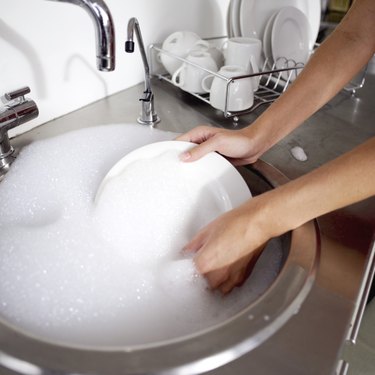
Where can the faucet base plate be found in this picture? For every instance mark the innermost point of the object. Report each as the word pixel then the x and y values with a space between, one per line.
pixel 151 122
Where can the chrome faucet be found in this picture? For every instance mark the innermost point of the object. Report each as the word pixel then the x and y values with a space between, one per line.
pixel 16 111
pixel 104 31
pixel 148 113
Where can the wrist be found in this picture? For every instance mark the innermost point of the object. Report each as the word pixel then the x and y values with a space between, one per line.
pixel 275 215
pixel 253 146
pixel 261 220
pixel 261 136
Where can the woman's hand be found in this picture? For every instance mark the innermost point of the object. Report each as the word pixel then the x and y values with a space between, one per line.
pixel 238 146
pixel 228 247
pixel 231 243
pixel 234 275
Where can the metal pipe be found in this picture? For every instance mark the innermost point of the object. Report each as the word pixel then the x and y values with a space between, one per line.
pixel 148 113
pixel 104 31
pixel 133 24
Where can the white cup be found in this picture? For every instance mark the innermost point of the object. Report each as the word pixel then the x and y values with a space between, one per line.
pixel 235 95
pixel 215 52
pixel 245 52
pixel 190 77
pixel 180 43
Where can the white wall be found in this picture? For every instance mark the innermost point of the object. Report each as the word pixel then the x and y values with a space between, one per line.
pixel 50 47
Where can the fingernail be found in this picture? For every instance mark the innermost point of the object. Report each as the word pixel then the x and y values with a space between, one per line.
pixel 185 156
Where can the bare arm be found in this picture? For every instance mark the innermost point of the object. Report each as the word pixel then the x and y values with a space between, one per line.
pixel 230 243
pixel 332 66
pixel 227 244
pixel 334 63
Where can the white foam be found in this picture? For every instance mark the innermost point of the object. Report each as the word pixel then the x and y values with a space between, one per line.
pixel 111 275
pixel 148 213
pixel 298 153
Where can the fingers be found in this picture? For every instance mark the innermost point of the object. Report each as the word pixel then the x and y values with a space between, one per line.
pixel 226 279
pixel 234 275
pixel 216 251
pixel 197 135
pixel 203 136
pixel 236 146
pixel 226 251
pixel 204 262
pixel 199 151
pixel 193 246
pixel 240 272
pixel 232 282
pixel 186 137
pixel 216 278
pixel 196 243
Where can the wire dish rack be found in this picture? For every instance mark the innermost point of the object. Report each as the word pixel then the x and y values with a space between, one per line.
pixel 273 79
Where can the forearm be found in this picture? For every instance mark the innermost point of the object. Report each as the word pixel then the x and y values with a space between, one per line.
pixel 323 190
pixel 333 64
pixel 240 234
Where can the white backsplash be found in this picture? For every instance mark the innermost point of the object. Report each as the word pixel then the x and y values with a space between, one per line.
pixel 50 47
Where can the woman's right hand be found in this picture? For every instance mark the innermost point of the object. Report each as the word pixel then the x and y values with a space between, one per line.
pixel 238 146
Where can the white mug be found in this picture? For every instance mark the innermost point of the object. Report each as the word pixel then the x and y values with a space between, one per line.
pixel 180 43
pixel 215 52
pixel 236 95
pixel 245 52
pixel 190 77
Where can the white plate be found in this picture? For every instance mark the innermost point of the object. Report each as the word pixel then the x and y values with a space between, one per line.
pixel 235 17
pixel 254 15
pixel 267 46
pixel 290 36
pixel 229 21
pixel 211 174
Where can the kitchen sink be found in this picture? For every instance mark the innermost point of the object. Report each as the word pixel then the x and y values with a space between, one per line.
pixel 301 319
pixel 23 351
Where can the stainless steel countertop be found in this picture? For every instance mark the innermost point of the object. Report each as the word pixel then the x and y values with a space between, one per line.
pixel 311 341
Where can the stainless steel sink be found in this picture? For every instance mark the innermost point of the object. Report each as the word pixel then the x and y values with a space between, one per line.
pixel 300 322
pixel 200 352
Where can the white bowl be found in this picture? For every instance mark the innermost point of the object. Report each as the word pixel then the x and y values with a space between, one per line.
pixel 212 173
pixel 154 203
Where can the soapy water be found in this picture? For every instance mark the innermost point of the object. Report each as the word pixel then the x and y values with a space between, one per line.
pixel 160 197
pixel 110 274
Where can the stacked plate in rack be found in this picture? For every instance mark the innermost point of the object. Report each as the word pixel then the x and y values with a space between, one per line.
pixel 286 38
pixel 288 28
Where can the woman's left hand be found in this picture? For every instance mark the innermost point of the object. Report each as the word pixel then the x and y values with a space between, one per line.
pixel 228 247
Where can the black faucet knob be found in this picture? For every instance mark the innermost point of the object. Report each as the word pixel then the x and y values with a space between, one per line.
pixel 129 46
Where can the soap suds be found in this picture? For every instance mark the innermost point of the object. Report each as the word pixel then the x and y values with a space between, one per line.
pixel 298 153
pixel 111 274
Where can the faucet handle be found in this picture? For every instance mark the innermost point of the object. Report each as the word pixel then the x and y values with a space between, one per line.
pixel 16 94
pixel 17 110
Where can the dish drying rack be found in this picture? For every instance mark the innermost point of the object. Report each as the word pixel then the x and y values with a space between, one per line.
pixel 273 81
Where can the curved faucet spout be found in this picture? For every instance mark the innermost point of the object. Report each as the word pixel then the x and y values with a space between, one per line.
pixel 104 31
pixel 133 24
pixel 148 114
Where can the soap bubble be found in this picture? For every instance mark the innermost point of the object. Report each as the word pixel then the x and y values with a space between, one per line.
pixel 112 274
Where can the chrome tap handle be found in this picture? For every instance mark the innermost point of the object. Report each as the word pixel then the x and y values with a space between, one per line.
pixel 16 111
pixel 20 93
